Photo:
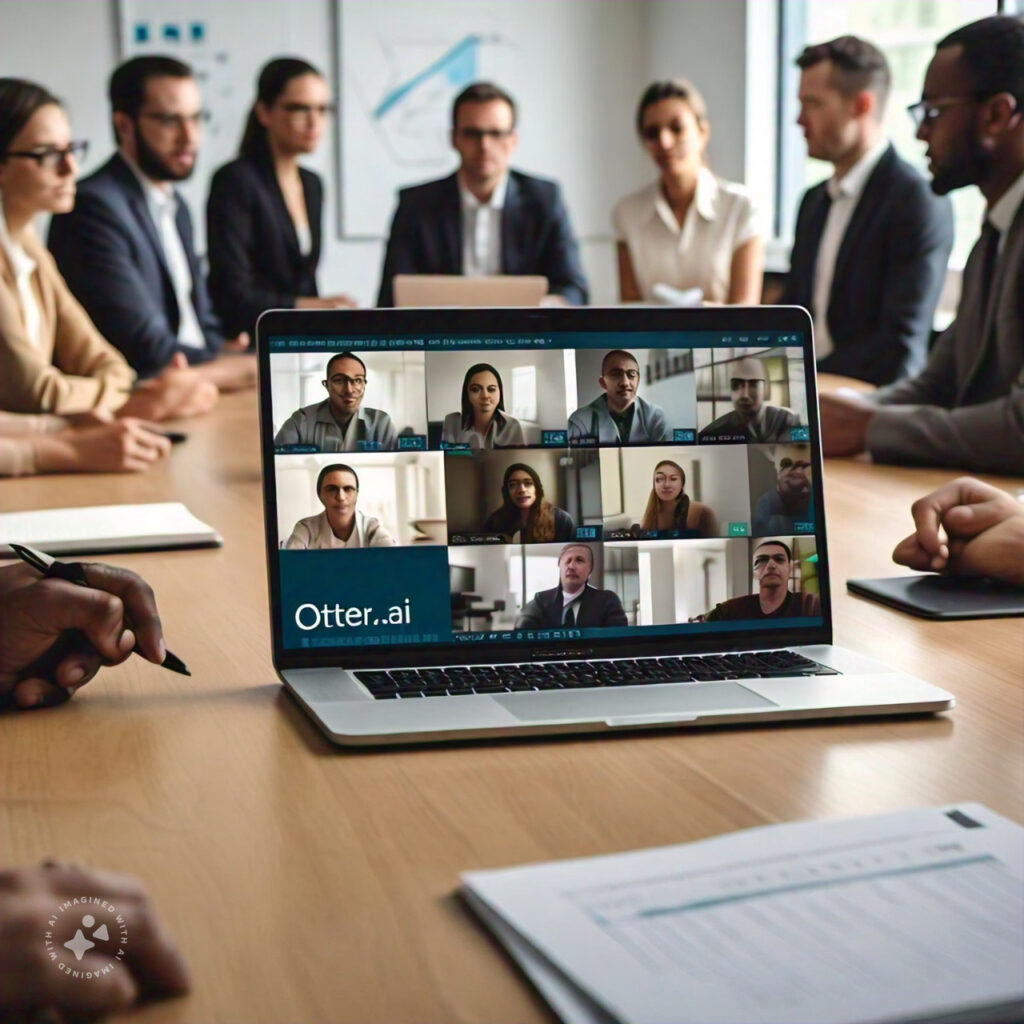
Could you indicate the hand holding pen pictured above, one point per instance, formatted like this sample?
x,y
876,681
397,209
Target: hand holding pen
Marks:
x,y
58,629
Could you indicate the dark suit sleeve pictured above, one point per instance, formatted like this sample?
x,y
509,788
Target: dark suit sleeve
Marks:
x,y
918,239
399,257
95,256
532,615
231,239
797,290
613,613
560,258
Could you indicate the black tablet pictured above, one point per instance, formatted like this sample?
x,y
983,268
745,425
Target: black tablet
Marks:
x,y
943,597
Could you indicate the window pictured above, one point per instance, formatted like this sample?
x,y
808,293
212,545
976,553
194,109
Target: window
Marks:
x,y
906,31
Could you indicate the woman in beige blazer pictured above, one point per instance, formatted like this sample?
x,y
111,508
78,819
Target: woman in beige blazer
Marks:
x,y
54,360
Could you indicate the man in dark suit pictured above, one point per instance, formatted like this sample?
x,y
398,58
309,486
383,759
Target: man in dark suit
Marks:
x,y
871,244
127,249
485,219
574,603
966,408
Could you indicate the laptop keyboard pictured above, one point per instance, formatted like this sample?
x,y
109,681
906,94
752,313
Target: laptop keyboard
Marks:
x,y
461,680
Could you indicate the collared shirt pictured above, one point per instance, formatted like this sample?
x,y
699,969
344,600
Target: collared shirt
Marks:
x,y
1000,215
316,425
481,230
504,432
845,193
162,203
695,254
314,533
571,601
23,267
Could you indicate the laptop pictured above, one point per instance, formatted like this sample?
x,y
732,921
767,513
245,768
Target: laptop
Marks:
x,y
510,522
425,290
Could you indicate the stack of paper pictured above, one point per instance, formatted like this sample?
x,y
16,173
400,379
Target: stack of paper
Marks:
x,y
916,916
101,528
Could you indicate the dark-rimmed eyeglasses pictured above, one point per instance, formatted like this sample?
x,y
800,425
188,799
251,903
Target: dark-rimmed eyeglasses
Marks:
x,y
177,121
300,110
51,157
479,134
343,380
929,111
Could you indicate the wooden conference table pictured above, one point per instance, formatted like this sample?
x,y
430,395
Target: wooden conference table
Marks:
x,y
307,883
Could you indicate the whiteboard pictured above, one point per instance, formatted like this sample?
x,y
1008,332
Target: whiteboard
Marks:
x,y
403,62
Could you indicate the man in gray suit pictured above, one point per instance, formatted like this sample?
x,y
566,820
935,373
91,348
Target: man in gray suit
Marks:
x,y
966,408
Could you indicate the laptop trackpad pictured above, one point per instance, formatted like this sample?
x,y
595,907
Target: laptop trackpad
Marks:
x,y
642,701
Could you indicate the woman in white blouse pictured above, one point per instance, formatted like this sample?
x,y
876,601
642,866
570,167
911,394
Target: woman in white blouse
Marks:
x,y
689,229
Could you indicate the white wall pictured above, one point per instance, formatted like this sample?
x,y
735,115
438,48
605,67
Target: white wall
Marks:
x,y
621,47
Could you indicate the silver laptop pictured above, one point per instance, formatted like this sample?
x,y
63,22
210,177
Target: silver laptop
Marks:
x,y
426,290
507,522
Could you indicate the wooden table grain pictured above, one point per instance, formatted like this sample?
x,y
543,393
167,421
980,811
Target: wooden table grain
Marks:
x,y
308,883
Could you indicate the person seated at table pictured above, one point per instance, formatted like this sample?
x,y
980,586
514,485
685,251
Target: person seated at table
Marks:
x,y
574,603
483,422
773,561
53,444
526,516
340,423
966,528
54,360
751,419
690,228
341,524
264,213
485,218
127,248
966,407
669,507
789,502
619,415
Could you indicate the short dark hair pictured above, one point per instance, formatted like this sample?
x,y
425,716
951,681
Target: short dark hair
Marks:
x,y
993,51
857,66
618,352
334,467
482,92
778,543
672,89
273,81
127,87
19,100
343,355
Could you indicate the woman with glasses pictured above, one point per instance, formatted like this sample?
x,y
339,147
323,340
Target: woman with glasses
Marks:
x,y
263,217
689,229
526,516
669,508
53,359
483,422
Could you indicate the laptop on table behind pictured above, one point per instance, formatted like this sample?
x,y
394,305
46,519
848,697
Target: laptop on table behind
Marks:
x,y
503,290
428,546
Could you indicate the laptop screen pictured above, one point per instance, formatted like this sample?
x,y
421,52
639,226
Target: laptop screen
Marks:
x,y
504,484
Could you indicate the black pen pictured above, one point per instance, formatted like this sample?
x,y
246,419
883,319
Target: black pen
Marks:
x,y
73,572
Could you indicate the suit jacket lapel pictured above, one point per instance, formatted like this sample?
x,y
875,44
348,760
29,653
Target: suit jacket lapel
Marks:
x,y
183,222
870,197
140,210
511,249
450,219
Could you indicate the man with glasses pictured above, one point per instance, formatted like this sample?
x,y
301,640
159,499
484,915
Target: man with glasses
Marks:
x,y
340,423
126,249
773,565
485,219
966,408
871,243
619,415
751,420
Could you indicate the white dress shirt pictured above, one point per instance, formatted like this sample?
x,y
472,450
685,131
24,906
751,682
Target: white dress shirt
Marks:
x,y
481,230
695,254
23,267
845,193
162,203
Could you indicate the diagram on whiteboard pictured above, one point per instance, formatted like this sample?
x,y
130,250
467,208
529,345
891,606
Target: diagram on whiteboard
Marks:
x,y
399,77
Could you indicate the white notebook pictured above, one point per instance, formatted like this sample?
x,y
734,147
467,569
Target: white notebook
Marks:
x,y
915,916
103,528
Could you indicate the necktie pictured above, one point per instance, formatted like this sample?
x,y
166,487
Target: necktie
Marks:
x,y
988,247
569,615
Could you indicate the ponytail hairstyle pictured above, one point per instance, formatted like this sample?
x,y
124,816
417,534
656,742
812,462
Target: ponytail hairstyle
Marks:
x,y
273,81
